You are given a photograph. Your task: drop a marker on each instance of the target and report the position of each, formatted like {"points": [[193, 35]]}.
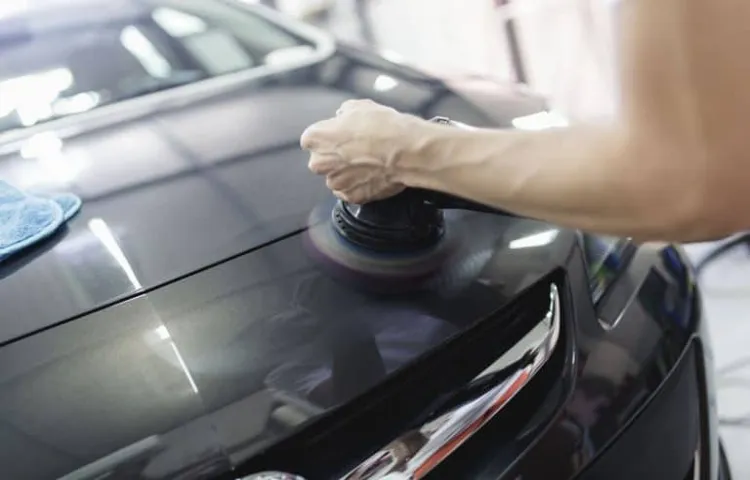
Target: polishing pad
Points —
{"points": [[395, 225], [396, 270]]}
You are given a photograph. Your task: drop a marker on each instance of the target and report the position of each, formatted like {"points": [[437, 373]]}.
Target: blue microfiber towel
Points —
{"points": [[27, 219], [69, 203]]}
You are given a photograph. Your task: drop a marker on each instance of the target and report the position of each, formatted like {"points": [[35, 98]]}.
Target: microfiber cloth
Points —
{"points": [[69, 203], [26, 219]]}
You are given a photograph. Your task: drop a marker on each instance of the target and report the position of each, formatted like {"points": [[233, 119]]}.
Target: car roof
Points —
{"points": [[44, 14]]}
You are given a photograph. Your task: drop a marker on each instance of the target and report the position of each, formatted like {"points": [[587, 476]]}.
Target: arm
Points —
{"points": [[583, 177], [672, 167]]}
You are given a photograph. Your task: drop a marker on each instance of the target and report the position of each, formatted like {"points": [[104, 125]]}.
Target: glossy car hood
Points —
{"points": [[185, 182], [200, 375], [163, 196], [192, 346]]}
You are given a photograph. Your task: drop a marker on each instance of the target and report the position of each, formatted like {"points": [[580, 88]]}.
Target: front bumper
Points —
{"points": [[667, 439]]}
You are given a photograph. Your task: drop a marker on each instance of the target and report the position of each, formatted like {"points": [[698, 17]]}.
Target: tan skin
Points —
{"points": [[675, 165]]}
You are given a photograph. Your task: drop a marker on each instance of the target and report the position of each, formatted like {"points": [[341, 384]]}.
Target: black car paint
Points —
{"points": [[154, 179], [579, 410], [166, 354]]}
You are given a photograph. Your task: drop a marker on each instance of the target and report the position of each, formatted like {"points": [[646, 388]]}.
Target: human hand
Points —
{"points": [[358, 150]]}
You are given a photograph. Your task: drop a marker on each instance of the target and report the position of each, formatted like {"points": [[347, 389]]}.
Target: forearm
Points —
{"points": [[598, 179], [673, 166]]}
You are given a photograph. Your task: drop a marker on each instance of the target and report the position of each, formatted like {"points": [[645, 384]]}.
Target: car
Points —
{"points": [[178, 327]]}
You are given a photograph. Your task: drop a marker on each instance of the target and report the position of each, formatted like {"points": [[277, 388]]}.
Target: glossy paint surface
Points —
{"points": [[213, 368], [182, 179], [178, 328], [184, 379], [620, 368], [601, 379]]}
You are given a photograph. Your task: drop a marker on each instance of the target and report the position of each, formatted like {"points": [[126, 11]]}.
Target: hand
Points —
{"points": [[359, 149]]}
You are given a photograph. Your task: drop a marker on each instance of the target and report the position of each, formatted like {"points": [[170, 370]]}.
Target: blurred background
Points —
{"points": [[560, 48]]}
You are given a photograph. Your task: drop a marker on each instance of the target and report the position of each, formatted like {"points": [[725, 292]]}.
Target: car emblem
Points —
{"points": [[272, 476]]}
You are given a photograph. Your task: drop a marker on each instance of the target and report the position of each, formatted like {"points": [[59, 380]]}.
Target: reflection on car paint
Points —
{"points": [[604, 258]]}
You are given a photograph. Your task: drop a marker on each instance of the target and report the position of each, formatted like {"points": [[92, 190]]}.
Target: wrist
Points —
{"points": [[423, 155]]}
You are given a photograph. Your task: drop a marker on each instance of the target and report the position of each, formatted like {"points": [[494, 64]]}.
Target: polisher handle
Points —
{"points": [[445, 201]]}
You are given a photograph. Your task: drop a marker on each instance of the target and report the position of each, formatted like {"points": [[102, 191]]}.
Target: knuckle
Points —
{"points": [[356, 103], [324, 163], [354, 196], [308, 139], [350, 103], [315, 164]]}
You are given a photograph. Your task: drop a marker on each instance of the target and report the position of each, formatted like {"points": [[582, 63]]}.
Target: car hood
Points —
{"points": [[173, 183], [204, 331], [195, 378], [163, 197]]}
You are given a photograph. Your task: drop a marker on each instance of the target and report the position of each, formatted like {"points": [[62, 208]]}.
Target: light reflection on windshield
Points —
{"points": [[145, 52], [53, 70], [32, 97]]}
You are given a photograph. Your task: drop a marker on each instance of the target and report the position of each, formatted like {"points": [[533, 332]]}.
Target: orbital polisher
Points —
{"points": [[398, 244]]}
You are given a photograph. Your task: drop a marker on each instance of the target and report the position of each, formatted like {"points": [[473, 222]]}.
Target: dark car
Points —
{"points": [[178, 328]]}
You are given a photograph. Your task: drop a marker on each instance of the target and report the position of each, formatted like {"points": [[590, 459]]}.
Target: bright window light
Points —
{"points": [[178, 24], [537, 240], [540, 121], [383, 83], [142, 49]]}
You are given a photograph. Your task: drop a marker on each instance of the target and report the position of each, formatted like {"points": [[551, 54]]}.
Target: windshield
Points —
{"points": [[63, 60]]}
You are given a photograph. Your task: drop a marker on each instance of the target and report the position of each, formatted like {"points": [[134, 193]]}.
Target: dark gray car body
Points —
{"points": [[172, 326]]}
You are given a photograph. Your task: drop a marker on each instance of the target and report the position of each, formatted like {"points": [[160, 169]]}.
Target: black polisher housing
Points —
{"points": [[400, 224]]}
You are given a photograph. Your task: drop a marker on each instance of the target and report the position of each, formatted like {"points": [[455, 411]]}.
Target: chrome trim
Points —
{"points": [[272, 476], [417, 452]]}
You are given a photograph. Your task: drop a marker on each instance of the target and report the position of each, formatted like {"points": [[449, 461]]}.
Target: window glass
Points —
{"points": [[71, 58]]}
